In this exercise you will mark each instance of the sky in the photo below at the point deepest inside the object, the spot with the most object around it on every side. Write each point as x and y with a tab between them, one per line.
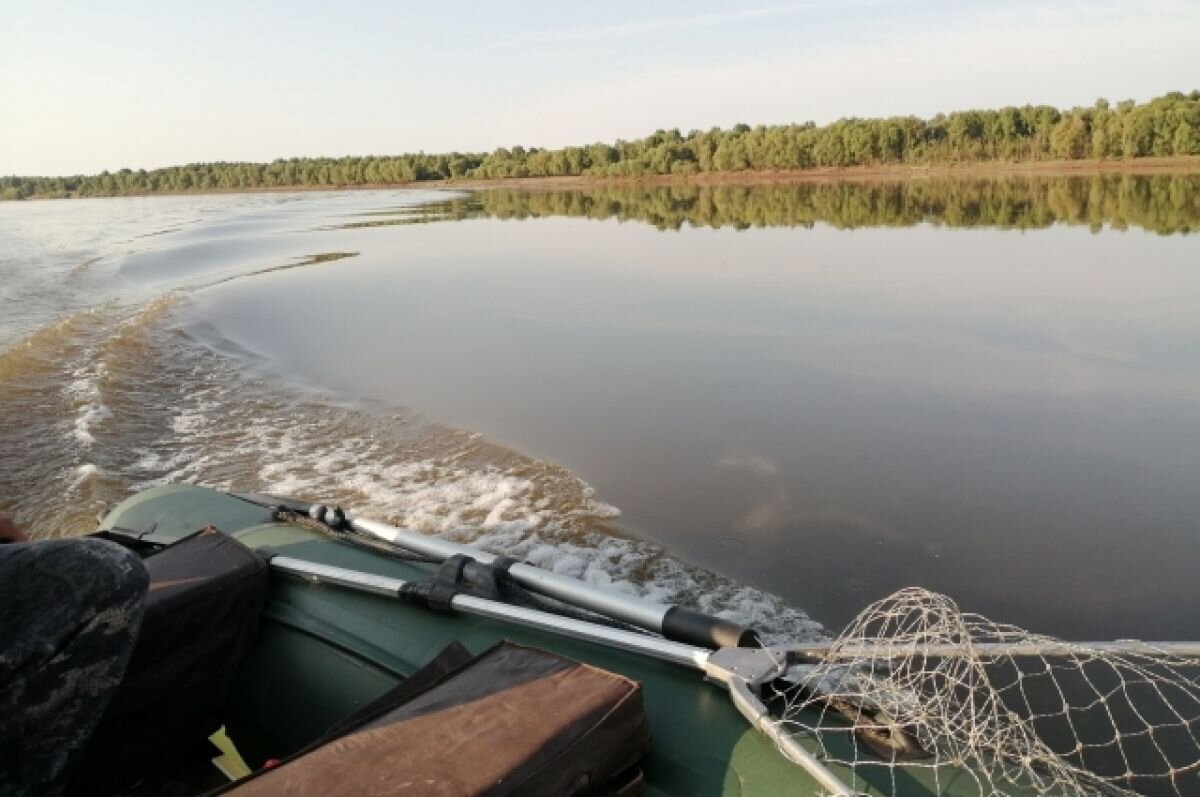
92	86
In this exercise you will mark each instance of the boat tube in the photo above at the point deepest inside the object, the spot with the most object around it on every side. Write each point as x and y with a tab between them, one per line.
342	624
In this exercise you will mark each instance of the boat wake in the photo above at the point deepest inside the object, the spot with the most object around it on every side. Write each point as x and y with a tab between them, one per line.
115	400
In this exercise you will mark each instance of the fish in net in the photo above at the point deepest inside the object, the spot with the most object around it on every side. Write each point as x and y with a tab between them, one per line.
913	683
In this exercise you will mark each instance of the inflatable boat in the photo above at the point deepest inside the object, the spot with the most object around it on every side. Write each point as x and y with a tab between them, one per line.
350	611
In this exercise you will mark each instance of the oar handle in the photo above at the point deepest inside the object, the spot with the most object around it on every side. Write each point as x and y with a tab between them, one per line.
696	628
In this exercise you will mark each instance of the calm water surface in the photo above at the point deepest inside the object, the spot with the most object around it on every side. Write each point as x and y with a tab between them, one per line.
820	393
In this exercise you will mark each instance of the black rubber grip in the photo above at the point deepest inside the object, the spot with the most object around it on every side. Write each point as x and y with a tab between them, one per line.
696	628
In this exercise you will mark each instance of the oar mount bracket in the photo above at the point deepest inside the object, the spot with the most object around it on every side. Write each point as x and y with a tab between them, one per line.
462	575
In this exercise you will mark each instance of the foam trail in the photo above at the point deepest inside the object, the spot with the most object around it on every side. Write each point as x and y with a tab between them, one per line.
226	429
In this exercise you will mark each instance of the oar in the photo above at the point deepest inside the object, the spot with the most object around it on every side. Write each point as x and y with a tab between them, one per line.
742	671
677	623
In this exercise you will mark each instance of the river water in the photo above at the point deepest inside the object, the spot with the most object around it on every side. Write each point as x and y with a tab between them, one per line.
776	402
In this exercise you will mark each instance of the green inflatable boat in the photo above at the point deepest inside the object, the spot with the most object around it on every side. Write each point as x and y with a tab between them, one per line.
355	608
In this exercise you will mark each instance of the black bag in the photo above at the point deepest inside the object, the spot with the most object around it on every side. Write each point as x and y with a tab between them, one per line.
201	620
513	720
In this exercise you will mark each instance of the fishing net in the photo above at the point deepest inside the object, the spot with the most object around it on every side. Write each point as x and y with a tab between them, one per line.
915	691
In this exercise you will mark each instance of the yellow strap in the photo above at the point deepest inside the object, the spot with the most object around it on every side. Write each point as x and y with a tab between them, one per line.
230	761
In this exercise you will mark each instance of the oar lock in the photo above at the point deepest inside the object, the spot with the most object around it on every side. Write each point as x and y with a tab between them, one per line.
462	575
333	517
458	575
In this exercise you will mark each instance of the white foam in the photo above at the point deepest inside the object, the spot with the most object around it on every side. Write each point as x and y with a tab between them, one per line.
83	386
84	391
188	422
82	475
150	460
90	415
222	431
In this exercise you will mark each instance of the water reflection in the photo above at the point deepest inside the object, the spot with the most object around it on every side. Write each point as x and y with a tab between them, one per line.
1164	204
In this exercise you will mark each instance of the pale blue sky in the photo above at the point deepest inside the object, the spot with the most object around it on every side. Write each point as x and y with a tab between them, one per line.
89	86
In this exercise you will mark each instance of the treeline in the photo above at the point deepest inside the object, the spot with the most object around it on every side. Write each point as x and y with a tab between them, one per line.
1166	126
1159	203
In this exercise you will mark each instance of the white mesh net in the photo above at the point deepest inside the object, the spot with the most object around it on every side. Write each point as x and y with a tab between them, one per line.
916	691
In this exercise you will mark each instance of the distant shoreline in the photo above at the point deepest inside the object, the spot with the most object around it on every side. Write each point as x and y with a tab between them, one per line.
1188	164
1159	136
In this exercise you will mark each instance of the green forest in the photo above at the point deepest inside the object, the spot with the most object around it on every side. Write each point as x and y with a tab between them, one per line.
1165	204
1165	126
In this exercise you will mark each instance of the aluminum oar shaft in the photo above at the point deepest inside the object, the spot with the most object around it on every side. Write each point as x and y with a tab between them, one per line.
633	610
674	622
687	655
